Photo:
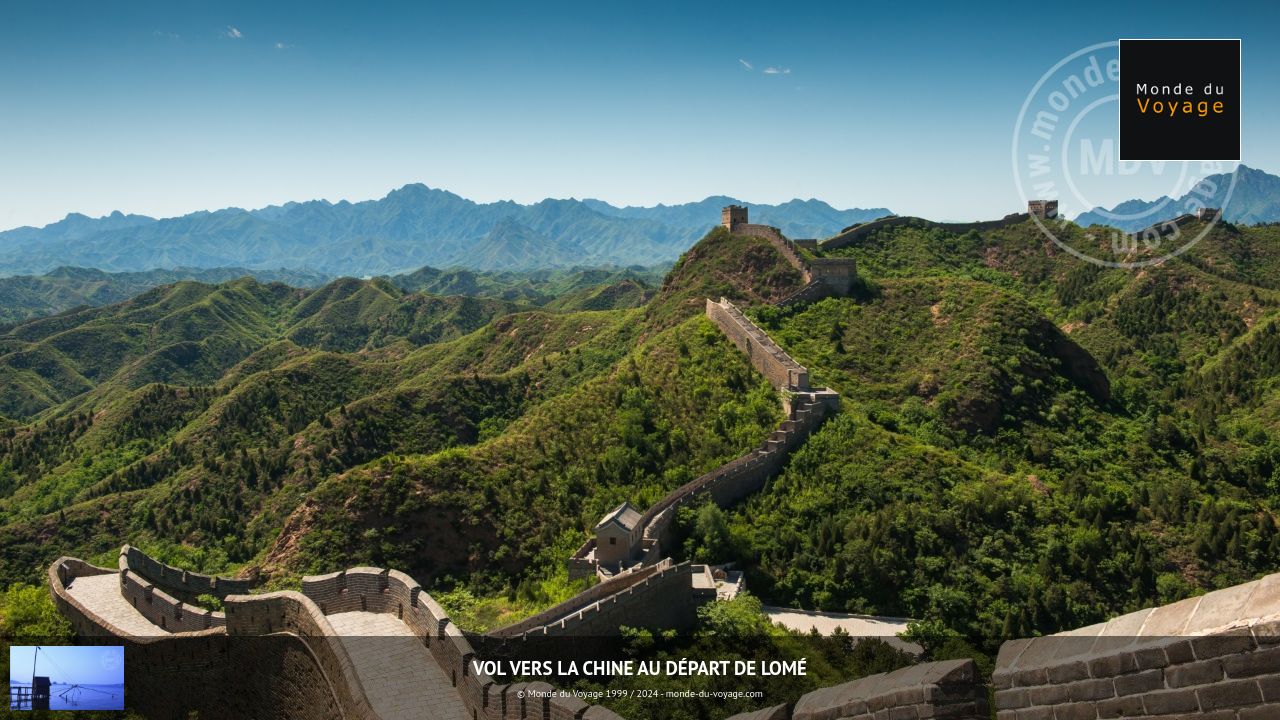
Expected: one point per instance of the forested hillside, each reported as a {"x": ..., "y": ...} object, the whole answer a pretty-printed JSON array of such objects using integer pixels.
[
  {"x": 1027, "y": 443},
  {"x": 1031, "y": 443},
  {"x": 282, "y": 431}
]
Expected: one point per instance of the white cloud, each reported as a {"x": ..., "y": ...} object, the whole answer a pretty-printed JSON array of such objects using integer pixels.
[
  {"x": 166, "y": 35},
  {"x": 234, "y": 33},
  {"x": 746, "y": 64},
  {"x": 283, "y": 46},
  {"x": 777, "y": 71}
]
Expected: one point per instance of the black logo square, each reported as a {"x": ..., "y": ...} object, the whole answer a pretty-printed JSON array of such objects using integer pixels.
[{"x": 1180, "y": 100}]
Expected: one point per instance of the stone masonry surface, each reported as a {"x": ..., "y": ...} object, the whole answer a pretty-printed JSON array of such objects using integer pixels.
[
  {"x": 102, "y": 593},
  {"x": 1214, "y": 656},
  {"x": 182, "y": 584},
  {"x": 397, "y": 671}
]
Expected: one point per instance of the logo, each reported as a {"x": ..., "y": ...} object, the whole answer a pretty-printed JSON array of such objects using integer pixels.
[{"x": 1065, "y": 150}]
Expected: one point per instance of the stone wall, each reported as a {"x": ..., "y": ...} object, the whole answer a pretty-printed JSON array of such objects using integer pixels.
[
  {"x": 814, "y": 291},
  {"x": 224, "y": 678},
  {"x": 728, "y": 484},
  {"x": 179, "y": 583},
  {"x": 854, "y": 233},
  {"x": 205, "y": 671},
  {"x": 732, "y": 482},
  {"x": 838, "y": 274},
  {"x": 765, "y": 355},
  {"x": 662, "y": 599},
  {"x": 84, "y": 621},
  {"x": 391, "y": 591},
  {"x": 951, "y": 689},
  {"x": 828, "y": 276},
  {"x": 1163, "y": 228},
  {"x": 1216, "y": 656},
  {"x": 580, "y": 601},
  {"x": 163, "y": 610},
  {"x": 252, "y": 616}
]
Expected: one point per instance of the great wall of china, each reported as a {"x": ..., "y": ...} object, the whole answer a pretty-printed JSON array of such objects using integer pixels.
[
  {"x": 852, "y": 234},
  {"x": 370, "y": 644}
]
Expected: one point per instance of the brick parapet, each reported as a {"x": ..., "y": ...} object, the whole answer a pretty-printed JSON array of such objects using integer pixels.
[
  {"x": 162, "y": 609},
  {"x": 664, "y": 599},
  {"x": 764, "y": 354},
  {"x": 294, "y": 613},
  {"x": 1160, "y": 229},
  {"x": 950, "y": 689},
  {"x": 591, "y": 595},
  {"x": 814, "y": 291},
  {"x": 1218, "y": 653},
  {"x": 177, "y": 582}
]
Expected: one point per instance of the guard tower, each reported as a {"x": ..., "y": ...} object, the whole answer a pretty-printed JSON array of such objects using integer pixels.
[
  {"x": 733, "y": 215},
  {"x": 1044, "y": 209},
  {"x": 618, "y": 535},
  {"x": 1209, "y": 214}
]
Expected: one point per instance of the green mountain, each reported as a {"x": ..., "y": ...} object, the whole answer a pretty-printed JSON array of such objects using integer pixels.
[
  {"x": 1027, "y": 442},
  {"x": 24, "y": 297},
  {"x": 1032, "y": 443},
  {"x": 241, "y": 458}
]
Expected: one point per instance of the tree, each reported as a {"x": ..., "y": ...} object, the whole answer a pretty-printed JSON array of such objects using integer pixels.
[{"x": 27, "y": 613}]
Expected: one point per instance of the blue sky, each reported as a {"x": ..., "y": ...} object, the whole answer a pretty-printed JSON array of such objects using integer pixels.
[
  {"x": 166, "y": 108},
  {"x": 75, "y": 664}
]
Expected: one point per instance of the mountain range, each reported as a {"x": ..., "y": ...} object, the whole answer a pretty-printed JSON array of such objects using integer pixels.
[
  {"x": 1254, "y": 199},
  {"x": 411, "y": 227},
  {"x": 23, "y": 297}
]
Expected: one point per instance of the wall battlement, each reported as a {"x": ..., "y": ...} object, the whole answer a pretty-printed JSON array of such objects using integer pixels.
[
  {"x": 1214, "y": 656},
  {"x": 1217, "y": 655},
  {"x": 590, "y": 596},
  {"x": 764, "y": 354},
  {"x": 177, "y": 582},
  {"x": 662, "y": 596},
  {"x": 951, "y": 689}
]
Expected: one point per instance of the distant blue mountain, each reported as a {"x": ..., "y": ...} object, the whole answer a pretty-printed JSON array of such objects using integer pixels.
[
  {"x": 409, "y": 228},
  {"x": 1255, "y": 199}
]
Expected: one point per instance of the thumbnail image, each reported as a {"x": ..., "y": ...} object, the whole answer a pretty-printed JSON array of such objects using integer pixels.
[{"x": 66, "y": 677}]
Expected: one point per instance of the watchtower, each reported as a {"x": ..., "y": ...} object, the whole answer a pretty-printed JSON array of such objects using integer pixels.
[
  {"x": 1208, "y": 214},
  {"x": 618, "y": 534},
  {"x": 1044, "y": 209},
  {"x": 733, "y": 215}
]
